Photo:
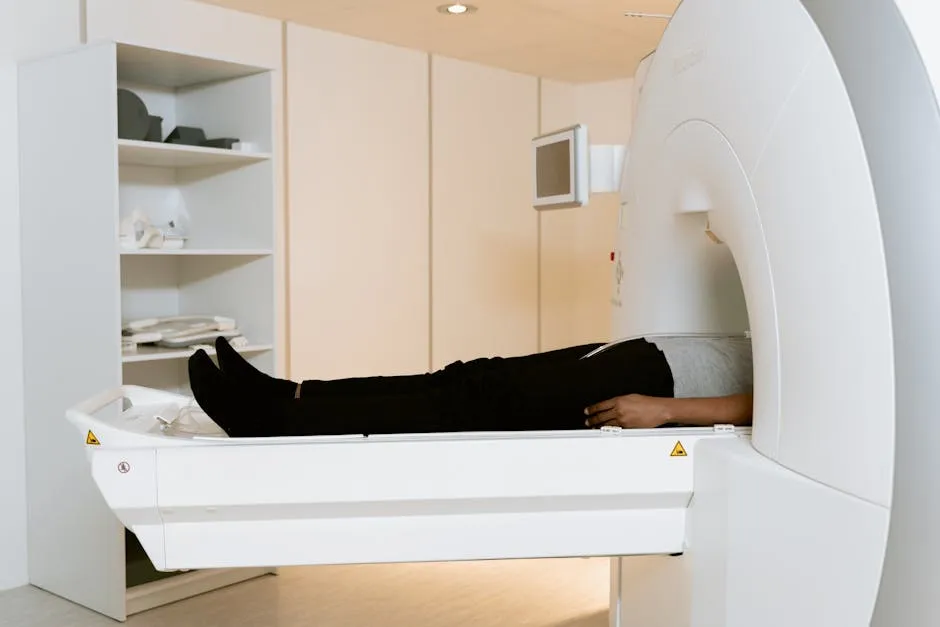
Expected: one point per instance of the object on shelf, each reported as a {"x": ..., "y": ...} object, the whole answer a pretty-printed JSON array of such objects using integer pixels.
[
  {"x": 133, "y": 118},
  {"x": 223, "y": 142},
  {"x": 245, "y": 146},
  {"x": 197, "y": 337},
  {"x": 141, "y": 338},
  {"x": 186, "y": 135},
  {"x": 130, "y": 342},
  {"x": 155, "y": 131},
  {"x": 137, "y": 232},
  {"x": 194, "y": 136},
  {"x": 239, "y": 341},
  {"x": 181, "y": 331}
]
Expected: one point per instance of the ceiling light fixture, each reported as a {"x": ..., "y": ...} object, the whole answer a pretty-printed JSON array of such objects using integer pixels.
[
  {"x": 657, "y": 16},
  {"x": 457, "y": 8}
]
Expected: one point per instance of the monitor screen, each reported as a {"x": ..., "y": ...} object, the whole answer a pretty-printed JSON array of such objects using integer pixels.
[
  {"x": 553, "y": 169},
  {"x": 560, "y": 176}
]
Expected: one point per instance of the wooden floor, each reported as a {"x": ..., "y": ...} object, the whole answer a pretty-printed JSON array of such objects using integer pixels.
[{"x": 537, "y": 593}]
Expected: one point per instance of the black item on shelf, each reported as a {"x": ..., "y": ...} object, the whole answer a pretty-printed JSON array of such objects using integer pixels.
[
  {"x": 155, "y": 132},
  {"x": 133, "y": 118},
  {"x": 187, "y": 135},
  {"x": 222, "y": 142}
]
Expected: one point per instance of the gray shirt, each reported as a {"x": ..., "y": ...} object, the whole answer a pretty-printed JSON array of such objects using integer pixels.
[{"x": 708, "y": 366}]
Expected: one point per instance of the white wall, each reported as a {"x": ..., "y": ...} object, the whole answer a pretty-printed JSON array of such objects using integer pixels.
[
  {"x": 189, "y": 27},
  {"x": 27, "y": 28},
  {"x": 12, "y": 455}
]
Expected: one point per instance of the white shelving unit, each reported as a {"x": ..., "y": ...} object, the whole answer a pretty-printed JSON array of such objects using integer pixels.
[
  {"x": 147, "y": 353},
  {"x": 231, "y": 252},
  {"x": 78, "y": 180},
  {"x": 134, "y": 152}
]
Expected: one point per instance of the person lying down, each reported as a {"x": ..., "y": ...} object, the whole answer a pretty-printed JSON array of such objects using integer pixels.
[{"x": 639, "y": 383}]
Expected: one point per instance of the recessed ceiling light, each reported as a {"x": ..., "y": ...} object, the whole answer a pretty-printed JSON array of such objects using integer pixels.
[{"x": 457, "y": 8}]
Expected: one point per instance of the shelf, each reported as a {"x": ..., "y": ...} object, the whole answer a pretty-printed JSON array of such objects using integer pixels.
[
  {"x": 133, "y": 152},
  {"x": 228, "y": 266},
  {"x": 174, "y": 70},
  {"x": 200, "y": 252},
  {"x": 154, "y": 353}
]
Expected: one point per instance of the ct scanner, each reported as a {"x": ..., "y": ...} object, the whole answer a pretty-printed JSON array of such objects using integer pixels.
[{"x": 804, "y": 136}]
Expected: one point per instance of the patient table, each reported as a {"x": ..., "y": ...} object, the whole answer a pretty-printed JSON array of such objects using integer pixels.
[{"x": 191, "y": 495}]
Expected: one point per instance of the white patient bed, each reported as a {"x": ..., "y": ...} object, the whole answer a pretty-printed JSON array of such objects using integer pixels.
[{"x": 197, "y": 499}]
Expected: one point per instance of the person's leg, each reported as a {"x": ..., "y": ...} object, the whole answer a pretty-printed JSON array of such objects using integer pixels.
[
  {"x": 522, "y": 394},
  {"x": 553, "y": 396},
  {"x": 242, "y": 412},
  {"x": 234, "y": 364},
  {"x": 398, "y": 384},
  {"x": 530, "y": 395}
]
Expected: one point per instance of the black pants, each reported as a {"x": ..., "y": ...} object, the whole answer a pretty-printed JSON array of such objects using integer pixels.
[{"x": 544, "y": 391}]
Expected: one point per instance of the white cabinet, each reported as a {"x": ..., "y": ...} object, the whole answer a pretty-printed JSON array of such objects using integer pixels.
[{"x": 78, "y": 180}]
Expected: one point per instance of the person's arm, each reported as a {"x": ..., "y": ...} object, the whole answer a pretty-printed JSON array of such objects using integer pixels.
[
  {"x": 704, "y": 412},
  {"x": 636, "y": 411}
]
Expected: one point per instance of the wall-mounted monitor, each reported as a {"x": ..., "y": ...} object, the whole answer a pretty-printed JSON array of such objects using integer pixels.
[{"x": 560, "y": 169}]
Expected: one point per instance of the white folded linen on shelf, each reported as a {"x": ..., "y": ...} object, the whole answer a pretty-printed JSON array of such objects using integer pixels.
[{"x": 180, "y": 331}]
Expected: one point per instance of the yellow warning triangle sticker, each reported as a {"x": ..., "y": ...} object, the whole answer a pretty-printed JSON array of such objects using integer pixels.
[
  {"x": 92, "y": 440},
  {"x": 678, "y": 451}
]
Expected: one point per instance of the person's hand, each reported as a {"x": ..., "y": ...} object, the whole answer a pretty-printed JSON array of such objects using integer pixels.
[{"x": 634, "y": 411}]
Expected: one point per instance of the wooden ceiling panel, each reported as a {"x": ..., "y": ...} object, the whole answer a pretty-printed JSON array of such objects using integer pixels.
[{"x": 567, "y": 40}]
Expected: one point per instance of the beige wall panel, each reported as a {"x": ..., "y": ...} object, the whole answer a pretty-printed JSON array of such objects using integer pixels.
[
  {"x": 575, "y": 266},
  {"x": 358, "y": 206},
  {"x": 485, "y": 231},
  {"x": 607, "y": 108}
]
